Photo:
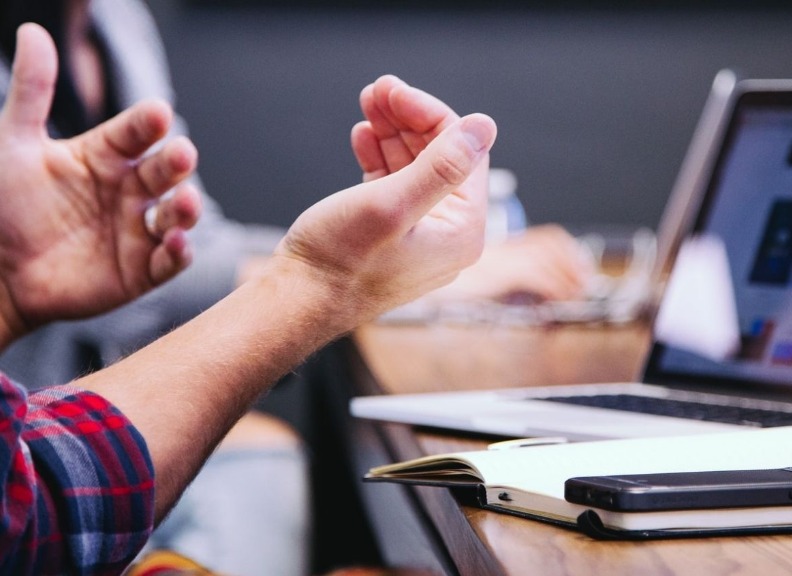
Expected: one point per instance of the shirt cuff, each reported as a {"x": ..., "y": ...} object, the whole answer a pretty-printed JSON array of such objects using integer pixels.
[{"x": 99, "y": 472}]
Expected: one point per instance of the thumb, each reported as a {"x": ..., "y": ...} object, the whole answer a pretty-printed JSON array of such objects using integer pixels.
[
  {"x": 33, "y": 80},
  {"x": 441, "y": 168}
]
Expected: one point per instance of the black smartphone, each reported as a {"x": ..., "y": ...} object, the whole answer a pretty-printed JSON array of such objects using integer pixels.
[{"x": 682, "y": 490}]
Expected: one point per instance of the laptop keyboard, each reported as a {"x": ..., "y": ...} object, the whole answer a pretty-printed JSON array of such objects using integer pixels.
[{"x": 746, "y": 416}]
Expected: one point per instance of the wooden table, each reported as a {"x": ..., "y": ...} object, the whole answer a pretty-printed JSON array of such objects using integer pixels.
[{"x": 433, "y": 528}]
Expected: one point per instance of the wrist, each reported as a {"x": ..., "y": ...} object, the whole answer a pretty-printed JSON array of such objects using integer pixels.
[
  {"x": 320, "y": 302},
  {"x": 11, "y": 324}
]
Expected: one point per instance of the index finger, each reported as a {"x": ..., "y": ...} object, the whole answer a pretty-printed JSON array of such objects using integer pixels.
[
  {"x": 132, "y": 132},
  {"x": 419, "y": 111},
  {"x": 404, "y": 118}
]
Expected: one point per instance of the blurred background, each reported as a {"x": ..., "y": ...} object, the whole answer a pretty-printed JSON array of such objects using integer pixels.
[{"x": 596, "y": 101}]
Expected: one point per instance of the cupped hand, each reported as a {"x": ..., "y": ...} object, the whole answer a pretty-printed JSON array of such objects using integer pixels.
[
  {"x": 543, "y": 262},
  {"x": 72, "y": 237},
  {"x": 389, "y": 240}
]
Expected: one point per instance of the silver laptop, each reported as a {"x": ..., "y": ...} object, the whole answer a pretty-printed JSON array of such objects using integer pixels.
[{"x": 718, "y": 363}]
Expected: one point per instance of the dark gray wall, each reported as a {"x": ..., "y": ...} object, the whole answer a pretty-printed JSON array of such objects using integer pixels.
[{"x": 595, "y": 108}]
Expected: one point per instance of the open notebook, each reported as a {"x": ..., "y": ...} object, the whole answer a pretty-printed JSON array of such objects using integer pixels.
[
  {"x": 722, "y": 354},
  {"x": 529, "y": 481}
]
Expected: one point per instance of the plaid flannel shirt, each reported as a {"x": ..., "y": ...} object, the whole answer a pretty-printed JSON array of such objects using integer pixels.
[{"x": 76, "y": 483}]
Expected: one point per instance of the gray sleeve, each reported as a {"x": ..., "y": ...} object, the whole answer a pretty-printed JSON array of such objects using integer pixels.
[{"x": 220, "y": 246}]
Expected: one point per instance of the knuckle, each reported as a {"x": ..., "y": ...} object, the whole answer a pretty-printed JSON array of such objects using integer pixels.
[{"x": 450, "y": 167}]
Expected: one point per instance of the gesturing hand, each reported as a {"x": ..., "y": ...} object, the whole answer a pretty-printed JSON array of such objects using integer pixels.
[
  {"x": 400, "y": 123},
  {"x": 389, "y": 240},
  {"x": 72, "y": 235}
]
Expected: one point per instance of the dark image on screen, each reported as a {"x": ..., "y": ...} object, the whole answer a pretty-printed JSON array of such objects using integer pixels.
[{"x": 773, "y": 260}]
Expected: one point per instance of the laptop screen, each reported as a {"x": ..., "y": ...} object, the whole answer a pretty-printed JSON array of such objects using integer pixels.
[{"x": 747, "y": 211}]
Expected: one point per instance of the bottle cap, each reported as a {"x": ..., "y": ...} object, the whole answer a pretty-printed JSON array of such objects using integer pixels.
[{"x": 502, "y": 183}]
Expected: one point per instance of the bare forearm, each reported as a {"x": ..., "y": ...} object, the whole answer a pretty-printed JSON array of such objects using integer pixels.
[{"x": 186, "y": 390}]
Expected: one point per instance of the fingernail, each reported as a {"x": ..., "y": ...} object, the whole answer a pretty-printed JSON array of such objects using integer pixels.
[{"x": 477, "y": 133}]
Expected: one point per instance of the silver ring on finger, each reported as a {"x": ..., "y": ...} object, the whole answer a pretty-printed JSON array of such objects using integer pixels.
[{"x": 150, "y": 221}]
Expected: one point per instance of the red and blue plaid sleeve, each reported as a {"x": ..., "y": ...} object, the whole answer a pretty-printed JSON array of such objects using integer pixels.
[{"x": 76, "y": 483}]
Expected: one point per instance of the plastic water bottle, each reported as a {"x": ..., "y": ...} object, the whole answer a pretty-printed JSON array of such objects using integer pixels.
[{"x": 505, "y": 215}]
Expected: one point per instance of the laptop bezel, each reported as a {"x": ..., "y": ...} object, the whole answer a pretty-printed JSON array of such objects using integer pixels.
[{"x": 697, "y": 190}]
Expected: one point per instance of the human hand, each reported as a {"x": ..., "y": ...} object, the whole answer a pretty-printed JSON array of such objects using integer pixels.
[
  {"x": 389, "y": 240},
  {"x": 543, "y": 262},
  {"x": 72, "y": 235}
]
